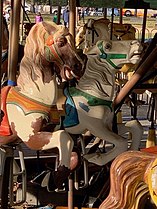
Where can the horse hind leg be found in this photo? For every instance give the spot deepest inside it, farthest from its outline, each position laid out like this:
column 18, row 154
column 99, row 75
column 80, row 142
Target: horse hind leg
column 120, row 146
column 136, row 132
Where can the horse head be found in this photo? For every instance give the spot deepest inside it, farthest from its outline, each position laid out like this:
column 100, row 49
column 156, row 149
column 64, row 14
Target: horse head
column 116, row 53
column 49, row 43
column 91, row 32
column 60, row 50
column 96, row 30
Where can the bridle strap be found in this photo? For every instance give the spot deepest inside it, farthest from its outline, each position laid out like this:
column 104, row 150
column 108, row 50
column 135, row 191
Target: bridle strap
column 53, row 50
column 108, row 57
column 93, row 32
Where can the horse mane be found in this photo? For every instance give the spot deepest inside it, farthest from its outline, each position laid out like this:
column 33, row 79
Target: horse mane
column 97, row 80
column 128, row 171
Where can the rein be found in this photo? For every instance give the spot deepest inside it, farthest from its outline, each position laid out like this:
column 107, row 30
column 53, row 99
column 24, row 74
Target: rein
column 93, row 32
column 108, row 57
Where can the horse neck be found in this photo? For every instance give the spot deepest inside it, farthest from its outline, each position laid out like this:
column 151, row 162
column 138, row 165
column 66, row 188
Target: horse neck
column 32, row 85
column 98, row 79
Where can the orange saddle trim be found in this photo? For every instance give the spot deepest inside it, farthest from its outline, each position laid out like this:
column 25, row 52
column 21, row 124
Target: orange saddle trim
column 29, row 105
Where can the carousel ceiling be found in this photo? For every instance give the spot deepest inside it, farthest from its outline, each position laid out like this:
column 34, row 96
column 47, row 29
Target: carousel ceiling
column 141, row 4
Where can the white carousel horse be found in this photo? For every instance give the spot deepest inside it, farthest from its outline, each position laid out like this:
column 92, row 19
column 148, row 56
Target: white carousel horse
column 49, row 53
column 89, row 104
column 133, row 180
column 99, row 29
column 95, row 30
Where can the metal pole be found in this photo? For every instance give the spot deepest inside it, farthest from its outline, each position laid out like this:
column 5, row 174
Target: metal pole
column 105, row 13
column 128, row 87
column 59, row 15
column 22, row 21
column 72, row 17
column 144, row 25
column 121, row 16
column 14, row 42
column 70, row 192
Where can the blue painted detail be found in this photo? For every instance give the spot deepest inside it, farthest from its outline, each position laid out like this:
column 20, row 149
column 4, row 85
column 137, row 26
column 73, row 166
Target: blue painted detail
column 71, row 117
column 84, row 107
column 11, row 83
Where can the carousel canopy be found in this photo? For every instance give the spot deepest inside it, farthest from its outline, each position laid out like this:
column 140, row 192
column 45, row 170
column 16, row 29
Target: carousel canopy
column 139, row 4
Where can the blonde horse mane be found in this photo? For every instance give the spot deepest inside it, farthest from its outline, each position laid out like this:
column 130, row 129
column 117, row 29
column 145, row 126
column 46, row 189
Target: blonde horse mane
column 128, row 171
column 96, row 77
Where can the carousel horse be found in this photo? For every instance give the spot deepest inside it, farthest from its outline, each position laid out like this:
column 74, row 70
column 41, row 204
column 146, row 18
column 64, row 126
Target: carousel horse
column 133, row 177
column 89, row 104
column 95, row 30
column 91, row 32
column 30, row 106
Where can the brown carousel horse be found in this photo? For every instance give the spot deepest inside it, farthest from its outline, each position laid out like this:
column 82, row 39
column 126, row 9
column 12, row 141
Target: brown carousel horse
column 133, row 177
column 49, row 55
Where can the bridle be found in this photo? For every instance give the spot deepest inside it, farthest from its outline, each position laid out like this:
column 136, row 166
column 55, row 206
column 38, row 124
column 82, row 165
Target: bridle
column 109, row 57
column 94, row 32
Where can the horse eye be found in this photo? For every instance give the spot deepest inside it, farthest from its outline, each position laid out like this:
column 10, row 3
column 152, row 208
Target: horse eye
column 61, row 44
column 108, row 46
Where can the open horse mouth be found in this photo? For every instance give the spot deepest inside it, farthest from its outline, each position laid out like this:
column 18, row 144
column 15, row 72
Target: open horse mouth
column 136, row 55
column 70, row 73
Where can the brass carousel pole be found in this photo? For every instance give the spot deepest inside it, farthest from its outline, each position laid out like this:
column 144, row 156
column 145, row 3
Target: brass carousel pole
column 144, row 25
column 72, row 24
column 13, row 41
column 72, row 17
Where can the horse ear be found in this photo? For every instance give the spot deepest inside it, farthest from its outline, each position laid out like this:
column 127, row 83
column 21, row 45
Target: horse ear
column 49, row 27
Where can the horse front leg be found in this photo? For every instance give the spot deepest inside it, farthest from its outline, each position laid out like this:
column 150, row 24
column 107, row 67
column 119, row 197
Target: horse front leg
column 68, row 160
column 48, row 140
